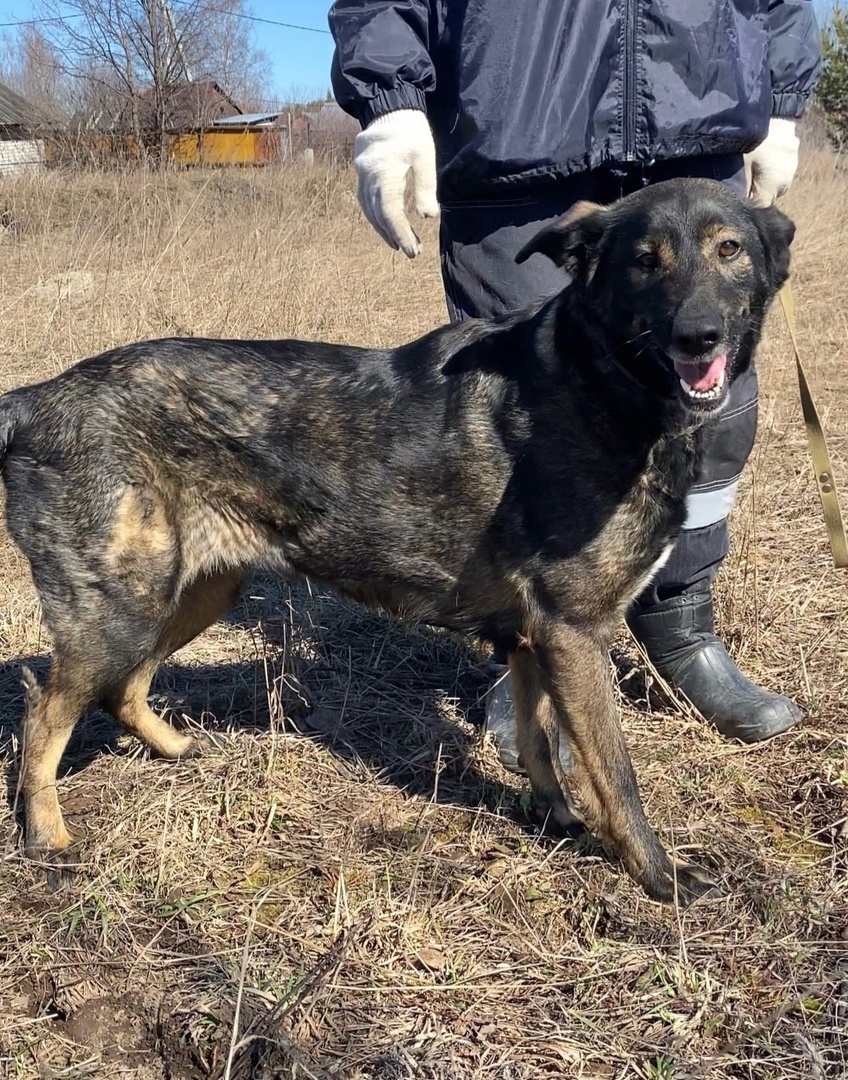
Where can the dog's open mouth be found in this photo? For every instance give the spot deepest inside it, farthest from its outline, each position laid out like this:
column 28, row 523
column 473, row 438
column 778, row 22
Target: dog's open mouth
column 703, row 382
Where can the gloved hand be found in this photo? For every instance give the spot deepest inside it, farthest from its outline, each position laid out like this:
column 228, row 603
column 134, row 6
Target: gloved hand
column 383, row 154
column 770, row 167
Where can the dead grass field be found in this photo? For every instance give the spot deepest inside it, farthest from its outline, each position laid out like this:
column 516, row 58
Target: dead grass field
column 347, row 887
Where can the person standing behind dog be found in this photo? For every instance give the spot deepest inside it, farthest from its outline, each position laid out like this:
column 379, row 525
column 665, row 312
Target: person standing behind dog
column 512, row 116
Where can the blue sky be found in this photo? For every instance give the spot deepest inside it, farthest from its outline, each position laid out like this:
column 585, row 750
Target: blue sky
column 300, row 59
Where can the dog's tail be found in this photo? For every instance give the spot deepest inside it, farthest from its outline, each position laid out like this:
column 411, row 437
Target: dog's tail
column 13, row 410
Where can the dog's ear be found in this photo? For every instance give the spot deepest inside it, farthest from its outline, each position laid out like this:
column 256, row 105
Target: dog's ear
column 777, row 232
column 569, row 241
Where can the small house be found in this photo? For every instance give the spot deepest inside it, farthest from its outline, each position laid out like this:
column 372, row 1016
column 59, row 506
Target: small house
column 242, row 139
column 20, row 151
column 187, row 106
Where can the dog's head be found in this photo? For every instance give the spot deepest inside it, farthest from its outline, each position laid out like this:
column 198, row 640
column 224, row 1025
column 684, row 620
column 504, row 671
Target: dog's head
column 679, row 275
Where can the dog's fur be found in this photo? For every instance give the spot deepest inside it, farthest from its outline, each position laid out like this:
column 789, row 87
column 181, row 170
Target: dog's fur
column 518, row 479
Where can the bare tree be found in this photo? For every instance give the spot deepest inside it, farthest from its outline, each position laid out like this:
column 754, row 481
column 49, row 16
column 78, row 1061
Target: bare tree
column 229, row 55
column 135, row 59
column 30, row 66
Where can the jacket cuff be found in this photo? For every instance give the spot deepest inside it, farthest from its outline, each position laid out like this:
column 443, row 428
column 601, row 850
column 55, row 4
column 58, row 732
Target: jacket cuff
column 401, row 96
column 788, row 105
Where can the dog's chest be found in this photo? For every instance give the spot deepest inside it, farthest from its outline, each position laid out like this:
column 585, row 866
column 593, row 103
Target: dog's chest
column 635, row 544
column 637, row 540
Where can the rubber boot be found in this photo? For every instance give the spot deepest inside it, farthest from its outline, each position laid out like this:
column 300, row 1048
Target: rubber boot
column 500, row 723
column 678, row 635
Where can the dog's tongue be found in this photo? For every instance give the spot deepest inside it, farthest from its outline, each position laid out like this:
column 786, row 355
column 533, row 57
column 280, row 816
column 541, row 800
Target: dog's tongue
column 704, row 375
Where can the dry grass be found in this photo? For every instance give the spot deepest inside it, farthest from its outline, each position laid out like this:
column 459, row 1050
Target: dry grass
column 347, row 887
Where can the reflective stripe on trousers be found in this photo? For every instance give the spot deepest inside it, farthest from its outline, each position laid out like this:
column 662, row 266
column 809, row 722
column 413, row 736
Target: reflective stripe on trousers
column 707, row 507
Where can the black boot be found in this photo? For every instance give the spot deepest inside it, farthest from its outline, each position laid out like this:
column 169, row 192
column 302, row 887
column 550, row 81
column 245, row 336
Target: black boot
column 678, row 635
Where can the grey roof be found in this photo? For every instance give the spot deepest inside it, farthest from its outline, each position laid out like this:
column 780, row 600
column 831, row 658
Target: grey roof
column 246, row 119
column 14, row 110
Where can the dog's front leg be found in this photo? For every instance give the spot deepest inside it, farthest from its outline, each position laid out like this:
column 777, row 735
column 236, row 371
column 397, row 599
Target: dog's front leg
column 539, row 742
column 602, row 785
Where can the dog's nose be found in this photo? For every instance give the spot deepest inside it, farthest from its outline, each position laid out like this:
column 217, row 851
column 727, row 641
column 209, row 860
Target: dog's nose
column 697, row 334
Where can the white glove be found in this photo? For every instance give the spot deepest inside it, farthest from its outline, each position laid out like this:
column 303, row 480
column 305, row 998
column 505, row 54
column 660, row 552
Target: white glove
column 770, row 167
column 383, row 154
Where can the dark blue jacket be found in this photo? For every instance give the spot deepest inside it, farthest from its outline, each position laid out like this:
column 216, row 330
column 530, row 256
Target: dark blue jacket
column 518, row 93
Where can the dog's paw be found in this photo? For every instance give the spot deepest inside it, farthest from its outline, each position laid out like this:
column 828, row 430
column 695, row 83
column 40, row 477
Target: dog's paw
column 678, row 883
column 59, row 866
column 553, row 817
column 691, row 883
column 62, row 870
column 201, row 743
column 193, row 744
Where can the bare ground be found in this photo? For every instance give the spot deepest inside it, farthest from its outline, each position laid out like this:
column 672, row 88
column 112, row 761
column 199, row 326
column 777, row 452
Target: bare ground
column 348, row 887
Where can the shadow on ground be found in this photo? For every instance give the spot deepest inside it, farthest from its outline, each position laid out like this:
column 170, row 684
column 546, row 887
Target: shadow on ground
column 406, row 702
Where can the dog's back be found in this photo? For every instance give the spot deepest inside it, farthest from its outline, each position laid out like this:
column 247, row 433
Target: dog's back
column 169, row 459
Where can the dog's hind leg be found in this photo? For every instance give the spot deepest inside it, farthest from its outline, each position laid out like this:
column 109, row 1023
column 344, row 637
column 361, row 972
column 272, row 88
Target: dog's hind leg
column 50, row 718
column 205, row 600
column 106, row 656
column 602, row 784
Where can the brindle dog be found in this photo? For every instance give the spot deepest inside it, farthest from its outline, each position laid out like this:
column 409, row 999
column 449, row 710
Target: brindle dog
column 519, row 479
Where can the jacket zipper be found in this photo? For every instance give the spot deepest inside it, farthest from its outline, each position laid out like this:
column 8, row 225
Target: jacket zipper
column 629, row 87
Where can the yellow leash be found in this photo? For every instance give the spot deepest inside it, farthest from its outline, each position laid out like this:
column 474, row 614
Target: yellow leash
column 822, row 467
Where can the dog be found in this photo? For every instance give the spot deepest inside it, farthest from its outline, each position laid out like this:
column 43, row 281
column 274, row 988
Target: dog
column 519, row 479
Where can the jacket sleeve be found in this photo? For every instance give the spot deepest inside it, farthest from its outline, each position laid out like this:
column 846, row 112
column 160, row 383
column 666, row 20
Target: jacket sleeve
column 794, row 55
column 382, row 61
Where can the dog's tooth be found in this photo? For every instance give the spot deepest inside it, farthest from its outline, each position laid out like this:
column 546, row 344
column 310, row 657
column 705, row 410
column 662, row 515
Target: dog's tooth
column 704, row 395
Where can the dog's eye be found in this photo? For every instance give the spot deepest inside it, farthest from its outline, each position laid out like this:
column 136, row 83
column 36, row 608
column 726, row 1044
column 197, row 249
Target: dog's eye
column 728, row 249
column 648, row 261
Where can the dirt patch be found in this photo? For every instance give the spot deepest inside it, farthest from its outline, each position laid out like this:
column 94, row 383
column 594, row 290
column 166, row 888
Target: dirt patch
column 119, row 1032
